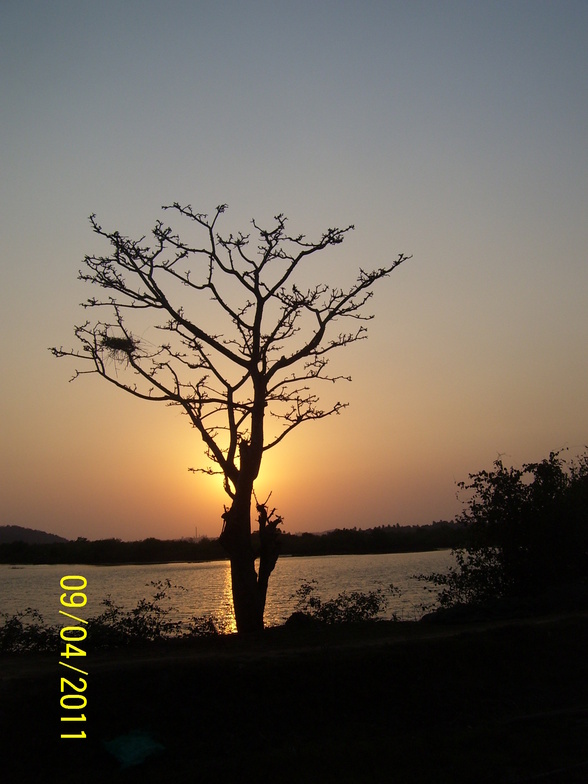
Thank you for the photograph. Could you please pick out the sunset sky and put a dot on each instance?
(453, 131)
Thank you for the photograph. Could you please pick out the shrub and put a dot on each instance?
(149, 621)
(527, 533)
(26, 631)
(350, 607)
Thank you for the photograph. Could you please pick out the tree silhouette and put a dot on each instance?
(526, 534)
(260, 368)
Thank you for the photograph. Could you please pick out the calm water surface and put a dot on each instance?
(209, 584)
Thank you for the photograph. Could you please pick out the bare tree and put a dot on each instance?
(245, 387)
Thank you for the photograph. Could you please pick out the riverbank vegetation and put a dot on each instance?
(526, 541)
(151, 620)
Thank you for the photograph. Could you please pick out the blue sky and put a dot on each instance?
(453, 131)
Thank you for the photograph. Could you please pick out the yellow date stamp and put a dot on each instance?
(72, 692)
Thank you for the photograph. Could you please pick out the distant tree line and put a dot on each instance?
(341, 541)
(111, 551)
(383, 539)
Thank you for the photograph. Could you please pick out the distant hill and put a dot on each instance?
(16, 533)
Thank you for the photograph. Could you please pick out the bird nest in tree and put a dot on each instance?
(118, 345)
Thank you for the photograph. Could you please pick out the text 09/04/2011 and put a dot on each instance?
(73, 698)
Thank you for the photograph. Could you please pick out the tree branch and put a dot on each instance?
(226, 381)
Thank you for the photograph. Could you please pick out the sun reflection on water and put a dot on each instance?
(226, 614)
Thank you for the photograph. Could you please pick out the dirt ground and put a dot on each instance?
(389, 702)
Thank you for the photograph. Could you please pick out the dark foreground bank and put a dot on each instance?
(503, 702)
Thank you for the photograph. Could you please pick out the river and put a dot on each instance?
(209, 585)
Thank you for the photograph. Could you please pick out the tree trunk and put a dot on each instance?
(236, 540)
(248, 611)
(249, 589)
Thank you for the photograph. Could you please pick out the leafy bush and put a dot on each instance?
(350, 607)
(527, 533)
(205, 626)
(149, 621)
(26, 631)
